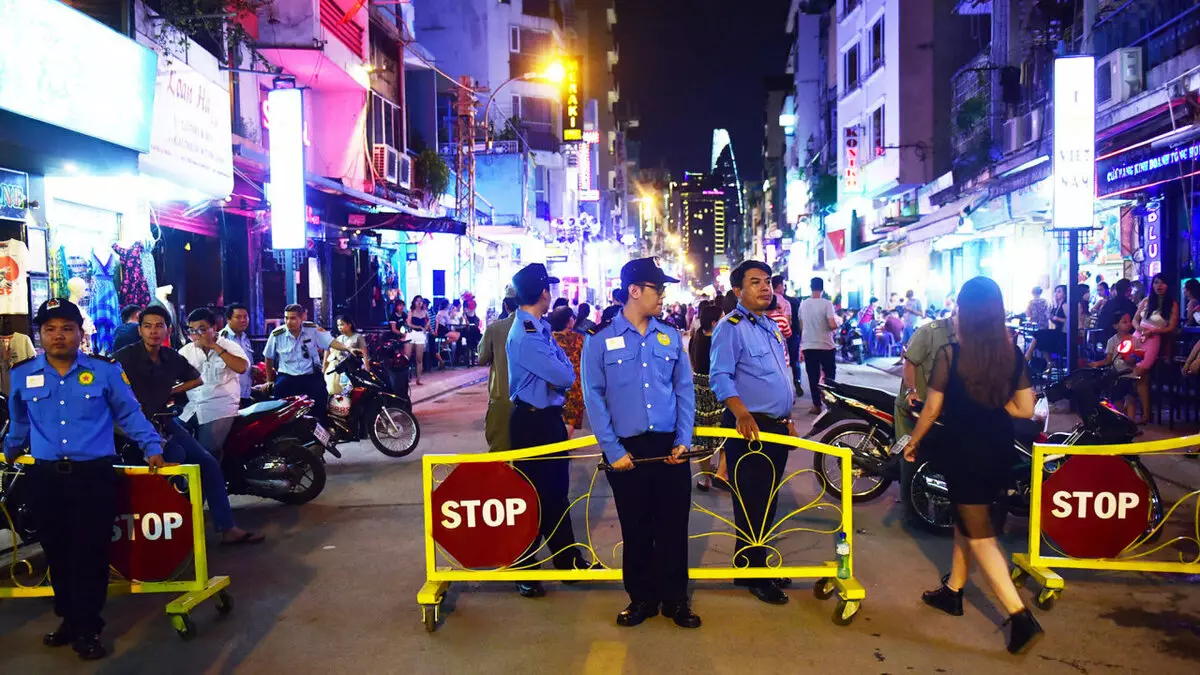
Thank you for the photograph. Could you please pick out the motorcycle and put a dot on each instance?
(16, 514)
(858, 418)
(850, 340)
(371, 410)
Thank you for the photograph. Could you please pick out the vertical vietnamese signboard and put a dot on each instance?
(286, 192)
(1074, 142)
(572, 95)
(851, 164)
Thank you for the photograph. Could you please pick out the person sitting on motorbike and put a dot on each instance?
(354, 342)
(1121, 352)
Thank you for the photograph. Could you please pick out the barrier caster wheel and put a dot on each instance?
(845, 612)
(224, 603)
(1019, 577)
(430, 615)
(1046, 599)
(824, 589)
(183, 625)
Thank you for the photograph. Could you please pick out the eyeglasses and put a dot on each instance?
(658, 288)
(197, 331)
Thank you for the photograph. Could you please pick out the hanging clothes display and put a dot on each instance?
(14, 279)
(133, 289)
(148, 270)
(59, 274)
(14, 348)
(105, 308)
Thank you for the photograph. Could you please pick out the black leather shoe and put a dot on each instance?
(782, 582)
(90, 648)
(61, 637)
(1024, 632)
(636, 613)
(681, 614)
(770, 594)
(945, 599)
(531, 589)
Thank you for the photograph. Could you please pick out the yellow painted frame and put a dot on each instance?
(195, 590)
(1041, 567)
(438, 579)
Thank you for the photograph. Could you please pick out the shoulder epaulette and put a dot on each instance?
(102, 357)
(23, 361)
(279, 331)
(734, 318)
(529, 327)
(599, 327)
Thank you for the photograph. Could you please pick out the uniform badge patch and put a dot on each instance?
(529, 327)
(735, 319)
(86, 377)
(124, 377)
(664, 339)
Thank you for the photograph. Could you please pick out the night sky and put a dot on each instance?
(690, 66)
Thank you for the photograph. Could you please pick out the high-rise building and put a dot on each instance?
(729, 246)
(699, 213)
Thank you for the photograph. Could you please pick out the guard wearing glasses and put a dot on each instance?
(539, 374)
(749, 374)
(637, 386)
(293, 358)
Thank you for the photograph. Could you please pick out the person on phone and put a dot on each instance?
(220, 361)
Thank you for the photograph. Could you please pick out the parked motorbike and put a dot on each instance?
(850, 340)
(859, 418)
(372, 410)
(15, 513)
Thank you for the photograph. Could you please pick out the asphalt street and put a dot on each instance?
(334, 590)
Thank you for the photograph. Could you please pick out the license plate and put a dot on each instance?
(321, 433)
(857, 341)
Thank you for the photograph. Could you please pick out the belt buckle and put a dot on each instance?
(62, 466)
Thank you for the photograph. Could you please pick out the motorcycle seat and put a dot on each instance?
(875, 398)
(261, 407)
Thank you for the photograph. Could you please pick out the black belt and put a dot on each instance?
(522, 405)
(762, 418)
(71, 465)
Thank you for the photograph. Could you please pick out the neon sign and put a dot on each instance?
(586, 192)
(14, 194)
(572, 110)
(1153, 238)
(266, 121)
(1123, 172)
(286, 192)
(850, 182)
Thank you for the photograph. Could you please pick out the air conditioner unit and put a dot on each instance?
(1119, 77)
(386, 160)
(1031, 126)
(404, 180)
(1012, 135)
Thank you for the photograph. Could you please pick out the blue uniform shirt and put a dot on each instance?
(634, 384)
(747, 361)
(297, 355)
(539, 371)
(71, 416)
(246, 379)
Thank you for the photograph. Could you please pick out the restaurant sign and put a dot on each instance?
(1145, 166)
(14, 193)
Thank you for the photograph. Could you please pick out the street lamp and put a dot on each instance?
(555, 72)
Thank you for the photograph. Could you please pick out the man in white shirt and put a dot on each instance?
(237, 323)
(220, 361)
(817, 325)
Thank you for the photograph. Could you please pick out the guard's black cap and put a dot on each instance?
(532, 280)
(57, 308)
(644, 271)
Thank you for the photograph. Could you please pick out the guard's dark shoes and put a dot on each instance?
(61, 637)
(945, 599)
(636, 613)
(1024, 632)
(531, 589)
(769, 593)
(90, 648)
(681, 614)
(782, 582)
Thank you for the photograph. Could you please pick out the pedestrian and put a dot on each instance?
(750, 377)
(127, 332)
(293, 356)
(539, 374)
(418, 330)
(708, 408)
(817, 325)
(583, 319)
(562, 324)
(1037, 311)
(493, 354)
(646, 414)
(918, 361)
(978, 386)
(236, 330)
(1119, 303)
(220, 362)
(73, 487)
(913, 313)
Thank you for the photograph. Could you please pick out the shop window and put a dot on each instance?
(849, 6)
(850, 66)
(877, 45)
(878, 135)
(385, 123)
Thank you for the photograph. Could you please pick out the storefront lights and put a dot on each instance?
(286, 191)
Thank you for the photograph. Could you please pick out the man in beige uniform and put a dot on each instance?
(492, 353)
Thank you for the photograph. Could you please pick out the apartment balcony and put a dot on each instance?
(974, 107)
(1163, 29)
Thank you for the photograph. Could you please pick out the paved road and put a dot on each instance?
(333, 590)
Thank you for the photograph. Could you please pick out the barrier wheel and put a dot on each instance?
(224, 603)
(845, 612)
(824, 588)
(1046, 599)
(429, 615)
(183, 624)
(1019, 577)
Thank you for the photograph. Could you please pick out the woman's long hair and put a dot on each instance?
(1163, 304)
(986, 356)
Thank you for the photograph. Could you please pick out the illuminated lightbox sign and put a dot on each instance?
(850, 180)
(1074, 142)
(286, 192)
(61, 67)
(572, 95)
(1153, 238)
(1138, 168)
(586, 192)
(14, 194)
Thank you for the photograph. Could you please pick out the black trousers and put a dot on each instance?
(530, 427)
(754, 476)
(311, 385)
(74, 511)
(816, 360)
(653, 503)
(793, 350)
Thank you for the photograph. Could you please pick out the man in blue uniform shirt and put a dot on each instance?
(293, 359)
(749, 374)
(62, 406)
(637, 386)
(539, 374)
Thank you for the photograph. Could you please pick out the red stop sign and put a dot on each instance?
(152, 534)
(1093, 507)
(485, 514)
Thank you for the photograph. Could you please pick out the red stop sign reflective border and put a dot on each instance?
(1094, 506)
(485, 515)
(152, 534)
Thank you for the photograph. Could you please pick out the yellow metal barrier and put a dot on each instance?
(850, 592)
(1133, 559)
(195, 590)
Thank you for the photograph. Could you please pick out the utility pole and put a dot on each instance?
(464, 169)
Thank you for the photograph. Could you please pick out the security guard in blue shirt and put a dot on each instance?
(294, 350)
(539, 374)
(62, 406)
(749, 374)
(637, 386)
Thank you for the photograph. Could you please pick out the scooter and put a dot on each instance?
(371, 410)
(859, 418)
(851, 340)
(15, 512)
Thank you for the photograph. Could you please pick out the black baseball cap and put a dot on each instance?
(532, 280)
(57, 308)
(644, 271)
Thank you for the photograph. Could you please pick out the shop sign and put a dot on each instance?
(572, 115)
(1153, 238)
(1095, 506)
(190, 142)
(586, 192)
(1130, 170)
(850, 160)
(556, 253)
(152, 533)
(1074, 142)
(286, 192)
(485, 514)
(14, 193)
(61, 67)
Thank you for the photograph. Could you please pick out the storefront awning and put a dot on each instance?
(943, 221)
(402, 222)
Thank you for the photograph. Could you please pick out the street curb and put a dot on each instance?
(451, 390)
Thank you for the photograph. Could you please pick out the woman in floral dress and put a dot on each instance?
(562, 321)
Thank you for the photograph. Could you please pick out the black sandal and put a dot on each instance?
(246, 538)
(700, 485)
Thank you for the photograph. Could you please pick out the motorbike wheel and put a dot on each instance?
(928, 509)
(394, 431)
(304, 469)
(17, 514)
(865, 487)
(1156, 504)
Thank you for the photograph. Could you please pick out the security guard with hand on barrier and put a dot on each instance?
(749, 374)
(63, 405)
(637, 386)
(539, 374)
(293, 359)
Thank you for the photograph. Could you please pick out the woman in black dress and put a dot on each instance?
(977, 387)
